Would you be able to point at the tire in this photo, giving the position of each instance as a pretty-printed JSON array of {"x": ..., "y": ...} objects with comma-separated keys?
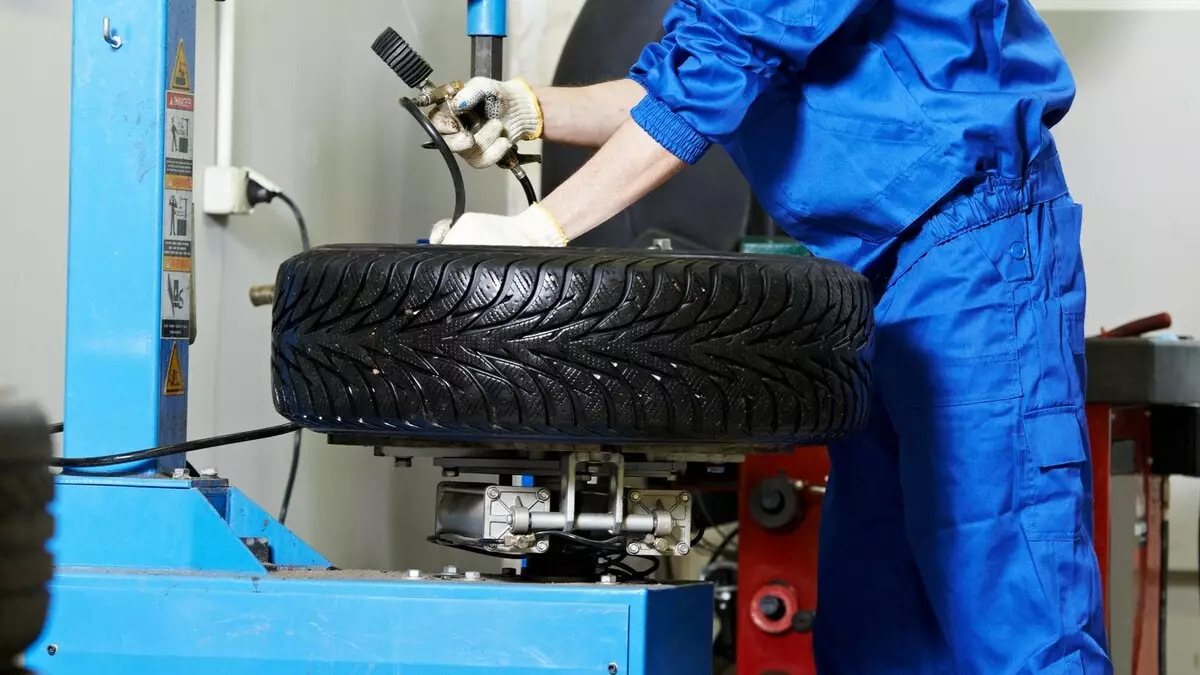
[
  {"x": 26, "y": 489},
  {"x": 571, "y": 345}
]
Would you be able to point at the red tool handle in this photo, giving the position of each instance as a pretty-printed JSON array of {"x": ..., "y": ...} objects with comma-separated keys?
[{"x": 1140, "y": 326}]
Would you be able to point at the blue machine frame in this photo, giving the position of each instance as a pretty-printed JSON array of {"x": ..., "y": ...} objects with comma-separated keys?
[{"x": 170, "y": 575}]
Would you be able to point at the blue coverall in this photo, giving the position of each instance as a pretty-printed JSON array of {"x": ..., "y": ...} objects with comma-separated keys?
[{"x": 911, "y": 140}]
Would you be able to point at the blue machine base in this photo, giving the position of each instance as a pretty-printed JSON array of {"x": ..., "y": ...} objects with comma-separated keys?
[{"x": 175, "y": 617}]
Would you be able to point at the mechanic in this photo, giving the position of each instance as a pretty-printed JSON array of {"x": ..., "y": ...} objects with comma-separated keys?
[{"x": 909, "y": 139}]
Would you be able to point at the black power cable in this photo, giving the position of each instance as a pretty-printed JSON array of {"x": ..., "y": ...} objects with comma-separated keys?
[
  {"x": 257, "y": 193},
  {"x": 174, "y": 449}
]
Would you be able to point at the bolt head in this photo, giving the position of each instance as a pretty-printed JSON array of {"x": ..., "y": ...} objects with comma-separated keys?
[
  {"x": 685, "y": 497},
  {"x": 772, "y": 607},
  {"x": 803, "y": 622},
  {"x": 449, "y": 569},
  {"x": 542, "y": 546},
  {"x": 633, "y": 548},
  {"x": 413, "y": 574},
  {"x": 683, "y": 548},
  {"x": 208, "y": 473},
  {"x": 449, "y": 473},
  {"x": 543, "y": 495},
  {"x": 472, "y": 576},
  {"x": 178, "y": 474},
  {"x": 635, "y": 497},
  {"x": 493, "y": 493},
  {"x": 608, "y": 579}
]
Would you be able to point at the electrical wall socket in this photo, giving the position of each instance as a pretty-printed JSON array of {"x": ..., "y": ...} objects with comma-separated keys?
[{"x": 225, "y": 190}]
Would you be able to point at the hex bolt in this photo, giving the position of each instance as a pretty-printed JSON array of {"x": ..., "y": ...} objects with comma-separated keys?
[
  {"x": 635, "y": 497},
  {"x": 449, "y": 569},
  {"x": 685, "y": 497},
  {"x": 413, "y": 574},
  {"x": 472, "y": 576},
  {"x": 608, "y": 579},
  {"x": 633, "y": 548},
  {"x": 449, "y": 473},
  {"x": 803, "y": 621},
  {"x": 542, "y": 546},
  {"x": 543, "y": 495},
  {"x": 682, "y": 548},
  {"x": 493, "y": 493},
  {"x": 208, "y": 473},
  {"x": 178, "y": 474}
]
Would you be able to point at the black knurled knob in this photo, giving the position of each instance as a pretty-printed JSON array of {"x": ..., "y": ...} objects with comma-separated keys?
[{"x": 402, "y": 58}]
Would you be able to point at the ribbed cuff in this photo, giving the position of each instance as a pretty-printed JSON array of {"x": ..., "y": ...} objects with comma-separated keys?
[{"x": 669, "y": 128}]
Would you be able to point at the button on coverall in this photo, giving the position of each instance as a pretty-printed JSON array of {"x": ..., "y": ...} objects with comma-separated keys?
[{"x": 911, "y": 140}]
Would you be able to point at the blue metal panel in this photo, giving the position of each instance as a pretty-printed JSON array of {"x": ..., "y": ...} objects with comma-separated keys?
[
  {"x": 336, "y": 624},
  {"x": 147, "y": 523},
  {"x": 247, "y": 519},
  {"x": 115, "y": 359},
  {"x": 487, "y": 18}
]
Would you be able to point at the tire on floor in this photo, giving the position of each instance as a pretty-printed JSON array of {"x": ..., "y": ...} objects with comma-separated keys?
[
  {"x": 26, "y": 489},
  {"x": 571, "y": 345}
]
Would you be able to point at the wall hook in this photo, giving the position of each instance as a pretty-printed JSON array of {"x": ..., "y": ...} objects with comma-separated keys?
[{"x": 113, "y": 41}]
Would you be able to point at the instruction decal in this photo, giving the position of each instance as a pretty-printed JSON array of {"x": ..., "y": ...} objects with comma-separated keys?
[
  {"x": 176, "y": 304},
  {"x": 178, "y": 223},
  {"x": 179, "y": 140},
  {"x": 181, "y": 78},
  {"x": 174, "y": 386}
]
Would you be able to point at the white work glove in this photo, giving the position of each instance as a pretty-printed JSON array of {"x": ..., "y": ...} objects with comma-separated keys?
[
  {"x": 513, "y": 115},
  {"x": 532, "y": 227}
]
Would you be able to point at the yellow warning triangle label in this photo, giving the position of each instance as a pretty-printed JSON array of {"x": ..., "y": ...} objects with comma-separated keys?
[
  {"x": 174, "y": 384},
  {"x": 181, "y": 78}
]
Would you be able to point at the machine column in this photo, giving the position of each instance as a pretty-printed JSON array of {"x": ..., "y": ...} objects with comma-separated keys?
[
  {"x": 129, "y": 293},
  {"x": 487, "y": 24}
]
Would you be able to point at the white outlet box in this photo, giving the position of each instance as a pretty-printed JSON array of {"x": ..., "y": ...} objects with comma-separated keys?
[{"x": 225, "y": 190}]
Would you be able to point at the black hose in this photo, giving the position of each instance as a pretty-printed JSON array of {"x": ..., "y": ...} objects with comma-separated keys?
[
  {"x": 460, "y": 189},
  {"x": 175, "y": 449},
  {"x": 527, "y": 186}
]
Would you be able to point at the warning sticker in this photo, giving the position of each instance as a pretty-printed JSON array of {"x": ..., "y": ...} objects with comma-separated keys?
[
  {"x": 179, "y": 140},
  {"x": 176, "y": 304},
  {"x": 173, "y": 384},
  {"x": 175, "y": 264},
  {"x": 177, "y": 216},
  {"x": 181, "y": 77}
]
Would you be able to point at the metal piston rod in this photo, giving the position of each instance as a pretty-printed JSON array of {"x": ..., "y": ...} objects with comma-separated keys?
[{"x": 509, "y": 518}]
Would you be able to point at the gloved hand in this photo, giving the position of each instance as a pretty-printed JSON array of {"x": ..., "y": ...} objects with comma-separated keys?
[
  {"x": 513, "y": 115},
  {"x": 532, "y": 227}
]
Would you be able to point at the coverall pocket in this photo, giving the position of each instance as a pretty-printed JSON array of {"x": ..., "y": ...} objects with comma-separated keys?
[{"x": 1053, "y": 494}]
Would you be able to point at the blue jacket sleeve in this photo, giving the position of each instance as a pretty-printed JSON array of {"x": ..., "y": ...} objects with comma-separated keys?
[{"x": 717, "y": 56}]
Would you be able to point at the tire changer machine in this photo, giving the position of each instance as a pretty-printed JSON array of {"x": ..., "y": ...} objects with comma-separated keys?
[{"x": 159, "y": 571}]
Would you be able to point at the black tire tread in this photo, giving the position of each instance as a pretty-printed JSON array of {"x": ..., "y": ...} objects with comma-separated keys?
[
  {"x": 571, "y": 344},
  {"x": 26, "y": 490}
]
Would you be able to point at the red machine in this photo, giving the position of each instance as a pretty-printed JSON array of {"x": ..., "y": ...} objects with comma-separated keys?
[{"x": 1144, "y": 425}]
